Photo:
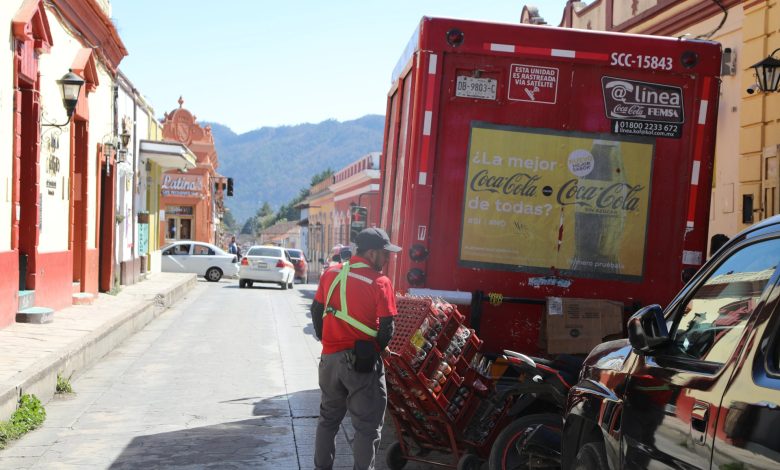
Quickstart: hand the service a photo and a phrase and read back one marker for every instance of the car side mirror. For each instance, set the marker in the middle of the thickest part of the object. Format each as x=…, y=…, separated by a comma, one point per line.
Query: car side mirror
x=647, y=329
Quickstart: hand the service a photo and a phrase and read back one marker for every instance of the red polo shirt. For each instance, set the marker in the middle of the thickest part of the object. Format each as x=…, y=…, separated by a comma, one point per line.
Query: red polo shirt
x=370, y=296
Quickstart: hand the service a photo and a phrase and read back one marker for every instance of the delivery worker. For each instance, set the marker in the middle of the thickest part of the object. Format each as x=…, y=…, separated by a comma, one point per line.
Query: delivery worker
x=352, y=313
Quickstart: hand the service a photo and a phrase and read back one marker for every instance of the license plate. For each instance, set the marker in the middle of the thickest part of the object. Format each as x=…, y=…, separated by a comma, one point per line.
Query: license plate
x=261, y=265
x=480, y=88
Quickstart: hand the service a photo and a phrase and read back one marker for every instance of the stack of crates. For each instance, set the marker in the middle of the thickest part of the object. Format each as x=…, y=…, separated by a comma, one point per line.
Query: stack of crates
x=439, y=390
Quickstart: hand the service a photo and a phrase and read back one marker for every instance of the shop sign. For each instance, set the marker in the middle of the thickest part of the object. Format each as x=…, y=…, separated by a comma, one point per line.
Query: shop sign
x=182, y=185
x=177, y=210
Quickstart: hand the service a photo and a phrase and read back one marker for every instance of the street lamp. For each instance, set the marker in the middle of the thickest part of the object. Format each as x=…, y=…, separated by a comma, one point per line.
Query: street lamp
x=70, y=88
x=768, y=73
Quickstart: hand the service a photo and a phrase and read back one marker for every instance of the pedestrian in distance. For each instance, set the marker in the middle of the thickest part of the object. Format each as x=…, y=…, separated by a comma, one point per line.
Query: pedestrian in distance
x=352, y=314
x=233, y=248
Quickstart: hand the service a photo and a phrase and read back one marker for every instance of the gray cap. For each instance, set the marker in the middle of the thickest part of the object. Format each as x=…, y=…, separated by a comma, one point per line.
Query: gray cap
x=375, y=239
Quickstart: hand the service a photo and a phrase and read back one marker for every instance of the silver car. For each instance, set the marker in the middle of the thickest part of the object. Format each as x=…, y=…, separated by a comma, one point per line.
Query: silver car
x=203, y=259
x=266, y=264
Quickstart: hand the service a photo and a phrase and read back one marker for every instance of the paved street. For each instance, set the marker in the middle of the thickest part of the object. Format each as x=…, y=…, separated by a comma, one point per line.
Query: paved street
x=227, y=378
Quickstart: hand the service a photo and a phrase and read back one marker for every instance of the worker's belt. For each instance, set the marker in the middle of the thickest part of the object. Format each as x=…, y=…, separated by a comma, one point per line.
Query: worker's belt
x=343, y=315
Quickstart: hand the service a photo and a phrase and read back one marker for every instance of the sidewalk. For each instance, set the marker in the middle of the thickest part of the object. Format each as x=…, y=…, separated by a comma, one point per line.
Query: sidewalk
x=32, y=355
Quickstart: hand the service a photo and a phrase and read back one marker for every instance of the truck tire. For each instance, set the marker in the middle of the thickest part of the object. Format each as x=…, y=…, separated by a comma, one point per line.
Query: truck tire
x=504, y=453
x=591, y=456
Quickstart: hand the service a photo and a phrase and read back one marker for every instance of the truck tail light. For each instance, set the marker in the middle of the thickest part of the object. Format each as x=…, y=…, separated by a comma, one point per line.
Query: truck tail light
x=454, y=37
x=415, y=277
x=418, y=252
x=280, y=263
x=244, y=262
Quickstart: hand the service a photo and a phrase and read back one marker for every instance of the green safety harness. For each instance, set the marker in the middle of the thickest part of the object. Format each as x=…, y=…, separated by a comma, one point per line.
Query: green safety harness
x=343, y=314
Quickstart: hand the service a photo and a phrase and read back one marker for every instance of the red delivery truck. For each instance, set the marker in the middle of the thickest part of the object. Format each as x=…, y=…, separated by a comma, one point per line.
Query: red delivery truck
x=548, y=178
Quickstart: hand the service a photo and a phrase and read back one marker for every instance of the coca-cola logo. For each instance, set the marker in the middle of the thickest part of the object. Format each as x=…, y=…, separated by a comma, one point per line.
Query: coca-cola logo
x=595, y=195
x=518, y=184
x=642, y=101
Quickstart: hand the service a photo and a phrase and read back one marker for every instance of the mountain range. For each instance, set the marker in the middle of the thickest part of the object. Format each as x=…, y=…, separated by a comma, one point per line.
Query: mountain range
x=273, y=164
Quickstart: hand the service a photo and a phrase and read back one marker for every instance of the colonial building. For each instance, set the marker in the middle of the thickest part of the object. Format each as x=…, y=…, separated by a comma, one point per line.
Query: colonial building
x=192, y=199
x=356, y=186
x=53, y=159
x=286, y=234
x=321, y=237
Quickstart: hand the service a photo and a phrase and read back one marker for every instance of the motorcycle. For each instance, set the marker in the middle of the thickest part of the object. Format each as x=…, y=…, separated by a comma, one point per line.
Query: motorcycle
x=532, y=440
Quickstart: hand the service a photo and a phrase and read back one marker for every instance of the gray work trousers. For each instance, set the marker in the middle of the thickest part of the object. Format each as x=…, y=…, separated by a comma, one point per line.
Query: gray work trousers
x=364, y=395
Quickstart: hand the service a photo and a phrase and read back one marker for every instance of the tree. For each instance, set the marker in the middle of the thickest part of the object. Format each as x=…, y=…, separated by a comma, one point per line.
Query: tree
x=321, y=176
x=230, y=222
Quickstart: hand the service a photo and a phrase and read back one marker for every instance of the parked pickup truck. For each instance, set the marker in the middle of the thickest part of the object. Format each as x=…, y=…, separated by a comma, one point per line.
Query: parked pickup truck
x=696, y=385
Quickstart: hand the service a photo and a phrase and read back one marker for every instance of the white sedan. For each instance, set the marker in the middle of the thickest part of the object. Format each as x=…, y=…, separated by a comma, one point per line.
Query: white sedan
x=266, y=264
x=203, y=259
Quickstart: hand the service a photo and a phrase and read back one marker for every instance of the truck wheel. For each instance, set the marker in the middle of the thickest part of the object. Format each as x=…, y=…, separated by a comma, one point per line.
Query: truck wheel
x=591, y=457
x=394, y=457
x=241, y=283
x=505, y=452
x=249, y=283
x=470, y=462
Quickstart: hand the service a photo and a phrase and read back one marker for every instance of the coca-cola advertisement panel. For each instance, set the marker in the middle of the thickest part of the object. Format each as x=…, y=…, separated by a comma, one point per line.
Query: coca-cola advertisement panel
x=537, y=199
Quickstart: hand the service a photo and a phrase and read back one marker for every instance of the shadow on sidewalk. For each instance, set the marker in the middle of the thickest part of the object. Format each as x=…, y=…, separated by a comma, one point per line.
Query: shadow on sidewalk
x=278, y=435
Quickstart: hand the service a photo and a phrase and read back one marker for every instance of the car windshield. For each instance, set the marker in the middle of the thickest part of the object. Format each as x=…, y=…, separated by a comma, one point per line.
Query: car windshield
x=295, y=253
x=263, y=251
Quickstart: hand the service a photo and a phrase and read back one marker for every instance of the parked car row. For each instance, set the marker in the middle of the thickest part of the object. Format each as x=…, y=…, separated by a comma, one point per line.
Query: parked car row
x=266, y=264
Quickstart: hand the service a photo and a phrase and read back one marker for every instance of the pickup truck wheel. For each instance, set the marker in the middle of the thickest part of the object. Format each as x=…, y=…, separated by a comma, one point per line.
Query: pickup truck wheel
x=470, y=462
x=591, y=456
x=506, y=452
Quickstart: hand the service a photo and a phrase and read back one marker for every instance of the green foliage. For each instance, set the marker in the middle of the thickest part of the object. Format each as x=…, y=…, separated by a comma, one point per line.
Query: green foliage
x=230, y=222
x=27, y=417
x=63, y=385
x=272, y=164
x=321, y=176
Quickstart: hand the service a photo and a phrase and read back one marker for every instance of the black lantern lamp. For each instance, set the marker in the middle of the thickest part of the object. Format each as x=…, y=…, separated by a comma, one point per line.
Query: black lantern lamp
x=70, y=87
x=124, y=140
x=768, y=73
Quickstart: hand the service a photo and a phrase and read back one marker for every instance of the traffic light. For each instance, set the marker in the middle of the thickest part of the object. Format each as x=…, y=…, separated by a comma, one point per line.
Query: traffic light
x=230, y=187
x=357, y=221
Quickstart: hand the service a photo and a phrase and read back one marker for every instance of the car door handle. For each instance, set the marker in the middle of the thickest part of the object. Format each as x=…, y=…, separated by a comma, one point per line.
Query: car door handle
x=700, y=414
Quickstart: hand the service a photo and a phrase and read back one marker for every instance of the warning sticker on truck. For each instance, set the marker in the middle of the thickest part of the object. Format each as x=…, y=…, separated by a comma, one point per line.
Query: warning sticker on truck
x=533, y=83
x=536, y=199
x=642, y=108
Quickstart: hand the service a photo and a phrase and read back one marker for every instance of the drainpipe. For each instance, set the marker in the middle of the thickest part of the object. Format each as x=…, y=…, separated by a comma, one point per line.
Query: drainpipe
x=134, y=251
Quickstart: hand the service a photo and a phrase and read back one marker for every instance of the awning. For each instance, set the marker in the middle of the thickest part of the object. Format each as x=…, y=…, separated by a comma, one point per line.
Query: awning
x=169, y=155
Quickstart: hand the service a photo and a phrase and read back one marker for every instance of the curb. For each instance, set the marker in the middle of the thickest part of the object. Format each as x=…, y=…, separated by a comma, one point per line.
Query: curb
x=40, y=378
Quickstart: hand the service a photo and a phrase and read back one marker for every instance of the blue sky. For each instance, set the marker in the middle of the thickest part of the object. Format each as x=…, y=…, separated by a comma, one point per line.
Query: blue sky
x=253, y=63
